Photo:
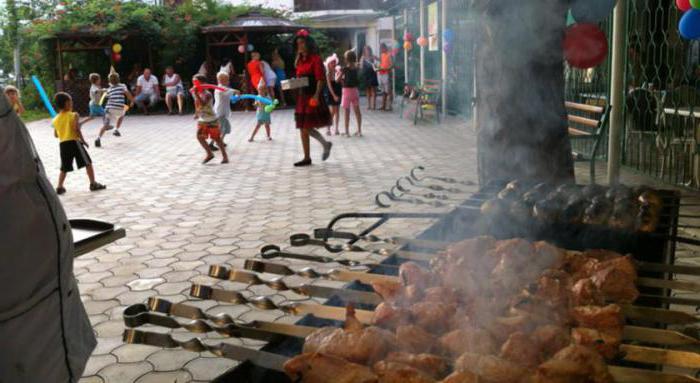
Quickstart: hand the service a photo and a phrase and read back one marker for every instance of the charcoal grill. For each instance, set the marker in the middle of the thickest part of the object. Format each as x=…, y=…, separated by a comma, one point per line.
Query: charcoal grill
x=465, y=221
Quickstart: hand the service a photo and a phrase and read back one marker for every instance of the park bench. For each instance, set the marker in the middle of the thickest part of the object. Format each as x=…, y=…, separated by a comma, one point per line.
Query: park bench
x=587, y=127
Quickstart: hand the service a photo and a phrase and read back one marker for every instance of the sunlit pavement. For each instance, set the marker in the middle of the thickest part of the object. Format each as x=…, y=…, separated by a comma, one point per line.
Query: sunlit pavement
x=182, y=216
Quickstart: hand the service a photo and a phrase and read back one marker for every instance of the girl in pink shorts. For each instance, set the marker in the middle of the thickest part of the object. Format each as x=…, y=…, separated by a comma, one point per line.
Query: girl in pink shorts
x=350, y=78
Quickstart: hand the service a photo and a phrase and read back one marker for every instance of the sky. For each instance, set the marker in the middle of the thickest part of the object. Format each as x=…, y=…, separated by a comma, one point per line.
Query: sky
x=288, y=4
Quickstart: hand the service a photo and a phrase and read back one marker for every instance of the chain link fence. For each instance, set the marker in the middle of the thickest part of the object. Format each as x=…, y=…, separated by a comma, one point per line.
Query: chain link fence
x=662, y=99
x=459, y=81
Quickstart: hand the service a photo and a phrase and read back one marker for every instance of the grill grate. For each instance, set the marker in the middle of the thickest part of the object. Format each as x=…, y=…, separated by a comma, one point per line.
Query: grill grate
x=465, y=222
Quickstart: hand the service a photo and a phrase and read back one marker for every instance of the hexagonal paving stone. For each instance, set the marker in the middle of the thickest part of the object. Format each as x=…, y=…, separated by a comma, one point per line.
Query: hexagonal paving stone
x=179, y=276
x=171, y=288
x=133, y=297
x=91, y=379
x=105, y=345
x=97, y=362
x=168, y=360
x=153, y=272
x=130, y=353
x=106, y=293
x=144, y=283
x=110, y=328
x=99, y=307
x=209, y=368
x=163, y=377
x=126, y=372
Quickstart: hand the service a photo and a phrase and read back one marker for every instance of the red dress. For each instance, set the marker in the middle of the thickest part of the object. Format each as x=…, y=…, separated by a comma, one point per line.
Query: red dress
x=305, y=115
x=255, y=73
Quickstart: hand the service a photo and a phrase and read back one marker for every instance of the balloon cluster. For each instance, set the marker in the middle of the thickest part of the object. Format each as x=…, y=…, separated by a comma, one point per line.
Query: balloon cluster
x=407, y=38
x=448, y=37
x=689, y=26
x=117, y=52
x=243, y=48
x=585, y=44
x=270, y=105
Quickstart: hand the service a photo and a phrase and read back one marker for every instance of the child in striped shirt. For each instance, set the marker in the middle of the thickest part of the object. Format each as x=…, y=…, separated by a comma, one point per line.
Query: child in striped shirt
x=117, y=94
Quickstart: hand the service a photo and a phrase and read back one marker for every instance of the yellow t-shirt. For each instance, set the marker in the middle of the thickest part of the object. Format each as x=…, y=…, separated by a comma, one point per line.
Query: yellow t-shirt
x=64, y=124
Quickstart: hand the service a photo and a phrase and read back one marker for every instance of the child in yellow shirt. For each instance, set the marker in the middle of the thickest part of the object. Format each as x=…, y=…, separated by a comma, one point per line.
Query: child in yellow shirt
x=72, y=145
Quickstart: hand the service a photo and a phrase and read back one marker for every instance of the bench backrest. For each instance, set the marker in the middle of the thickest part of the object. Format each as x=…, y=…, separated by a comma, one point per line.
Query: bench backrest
x=586, y=120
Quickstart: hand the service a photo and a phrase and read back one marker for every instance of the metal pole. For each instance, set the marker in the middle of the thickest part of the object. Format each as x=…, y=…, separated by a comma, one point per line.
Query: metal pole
x=393, y=39
x=405, y=52
x=617, y=91
x=443, y=24
x=421, y=14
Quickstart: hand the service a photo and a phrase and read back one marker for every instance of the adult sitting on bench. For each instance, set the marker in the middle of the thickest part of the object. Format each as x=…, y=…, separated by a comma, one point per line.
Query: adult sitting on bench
x=147, y=92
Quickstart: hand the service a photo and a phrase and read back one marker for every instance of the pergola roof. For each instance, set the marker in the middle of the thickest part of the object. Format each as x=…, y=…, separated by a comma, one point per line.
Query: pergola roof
x=255, y=23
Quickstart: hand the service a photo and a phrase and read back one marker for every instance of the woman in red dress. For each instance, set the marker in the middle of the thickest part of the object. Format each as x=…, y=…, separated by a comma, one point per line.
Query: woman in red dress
x=311, y=110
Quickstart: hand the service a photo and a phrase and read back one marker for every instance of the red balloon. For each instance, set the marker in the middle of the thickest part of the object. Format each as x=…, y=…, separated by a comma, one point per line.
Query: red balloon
x=116, y=57
x=683, y=5
x=585, y=46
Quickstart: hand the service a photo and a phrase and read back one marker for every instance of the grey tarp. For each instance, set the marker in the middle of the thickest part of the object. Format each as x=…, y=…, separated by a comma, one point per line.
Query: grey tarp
x=45, y=335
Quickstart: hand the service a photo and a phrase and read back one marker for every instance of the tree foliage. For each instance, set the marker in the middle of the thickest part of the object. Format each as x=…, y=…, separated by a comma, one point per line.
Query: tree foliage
x=172, y=32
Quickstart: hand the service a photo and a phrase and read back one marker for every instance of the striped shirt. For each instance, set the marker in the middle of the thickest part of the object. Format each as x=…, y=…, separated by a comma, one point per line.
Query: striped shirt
x=116, y=98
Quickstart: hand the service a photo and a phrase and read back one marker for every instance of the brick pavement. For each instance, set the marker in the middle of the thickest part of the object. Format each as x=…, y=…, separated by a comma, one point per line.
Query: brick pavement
x=182, y=216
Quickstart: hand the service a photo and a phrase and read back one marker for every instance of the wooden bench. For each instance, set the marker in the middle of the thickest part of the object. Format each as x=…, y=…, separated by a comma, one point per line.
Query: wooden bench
x=582, y=127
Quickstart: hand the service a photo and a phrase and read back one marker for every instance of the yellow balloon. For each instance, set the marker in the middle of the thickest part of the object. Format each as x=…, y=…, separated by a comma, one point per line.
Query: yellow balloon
x=116, y=48
x=407, y=45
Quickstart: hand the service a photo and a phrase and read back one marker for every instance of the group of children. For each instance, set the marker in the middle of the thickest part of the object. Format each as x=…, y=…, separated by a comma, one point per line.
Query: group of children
x=343, y=90
x=212, y=113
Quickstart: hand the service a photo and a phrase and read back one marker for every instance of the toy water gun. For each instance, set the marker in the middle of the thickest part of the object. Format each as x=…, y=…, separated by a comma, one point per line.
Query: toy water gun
x=44, y=97
x=270, y=105
x=199, y=86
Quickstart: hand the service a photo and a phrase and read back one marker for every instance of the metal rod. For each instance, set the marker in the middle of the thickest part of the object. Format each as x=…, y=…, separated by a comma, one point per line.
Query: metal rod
x=260, y=358
x=139, y=315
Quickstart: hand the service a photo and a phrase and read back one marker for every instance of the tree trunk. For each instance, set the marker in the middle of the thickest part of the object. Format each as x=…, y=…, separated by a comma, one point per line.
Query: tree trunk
x=521, y=117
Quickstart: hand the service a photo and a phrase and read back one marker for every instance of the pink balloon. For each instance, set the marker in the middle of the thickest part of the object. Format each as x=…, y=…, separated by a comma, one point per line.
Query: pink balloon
x=241, y=48
x=683, y=5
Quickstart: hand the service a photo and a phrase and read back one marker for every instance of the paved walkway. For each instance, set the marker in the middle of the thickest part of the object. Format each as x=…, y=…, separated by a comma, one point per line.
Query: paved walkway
x=182, y=216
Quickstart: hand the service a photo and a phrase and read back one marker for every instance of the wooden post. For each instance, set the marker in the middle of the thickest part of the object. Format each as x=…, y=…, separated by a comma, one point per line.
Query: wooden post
x=522, y=125
x=421, y=15
x=443, y=57
x=617, y=91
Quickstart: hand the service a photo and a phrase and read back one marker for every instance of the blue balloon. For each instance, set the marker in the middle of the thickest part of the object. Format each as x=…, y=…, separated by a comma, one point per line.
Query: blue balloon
x=44, y=97
x=236, y=98
x=689, y=25
x=591, y=11
x=448, y=35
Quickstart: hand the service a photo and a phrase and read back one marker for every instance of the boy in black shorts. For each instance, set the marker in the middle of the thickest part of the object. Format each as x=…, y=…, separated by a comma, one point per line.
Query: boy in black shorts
x=72, y=145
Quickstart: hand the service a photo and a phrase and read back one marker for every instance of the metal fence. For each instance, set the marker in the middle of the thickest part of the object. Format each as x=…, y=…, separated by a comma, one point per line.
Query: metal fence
x=662, y=102
x=459, y=81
